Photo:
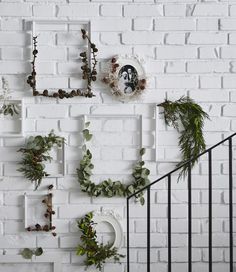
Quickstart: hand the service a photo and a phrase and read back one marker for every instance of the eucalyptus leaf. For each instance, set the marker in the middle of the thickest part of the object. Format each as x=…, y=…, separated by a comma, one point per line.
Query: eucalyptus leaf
x=38, y=251
x=27, y=253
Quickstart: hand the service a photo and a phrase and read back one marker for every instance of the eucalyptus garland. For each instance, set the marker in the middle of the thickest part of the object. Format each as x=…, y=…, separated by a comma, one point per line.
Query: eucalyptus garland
x=96, y=253
x=191, y=115
x=35, y=153
x=109, y=188
x=89, y=73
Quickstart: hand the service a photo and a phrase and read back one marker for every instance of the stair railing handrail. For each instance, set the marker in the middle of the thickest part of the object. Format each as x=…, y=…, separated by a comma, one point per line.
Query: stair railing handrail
x=179, y=167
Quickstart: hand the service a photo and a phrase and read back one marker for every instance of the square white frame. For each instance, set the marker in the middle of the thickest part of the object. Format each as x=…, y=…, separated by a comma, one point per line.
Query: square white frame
x=26, y=196
x=21, y=118
x=54, y=259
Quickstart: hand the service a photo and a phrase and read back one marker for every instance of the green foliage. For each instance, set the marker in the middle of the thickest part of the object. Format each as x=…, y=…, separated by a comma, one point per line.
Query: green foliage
x=96, y=254
x=191, y=141
x=35, y=153
x=28, y=253
x=109, y=188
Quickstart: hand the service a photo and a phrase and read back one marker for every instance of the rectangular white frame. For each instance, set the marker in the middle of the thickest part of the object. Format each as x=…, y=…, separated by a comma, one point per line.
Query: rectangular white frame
x=26, y=196
x=21, y=118
x=86, y=119
x=72, y=22
x=54, y=259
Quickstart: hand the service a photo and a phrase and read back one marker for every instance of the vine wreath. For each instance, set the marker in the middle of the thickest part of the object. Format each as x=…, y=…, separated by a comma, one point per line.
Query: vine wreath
x=126, y=77
x=35, y=153
x=96, y=253
x=89, y=73
x=191, y=116
x=109, y=188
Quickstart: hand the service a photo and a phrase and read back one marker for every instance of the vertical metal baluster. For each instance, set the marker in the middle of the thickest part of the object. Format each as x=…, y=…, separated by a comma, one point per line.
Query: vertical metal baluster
x=127, y=205
x=210, y=209
x=148, y=228
x=230, y=205
x=169, y=223
x=189, y=219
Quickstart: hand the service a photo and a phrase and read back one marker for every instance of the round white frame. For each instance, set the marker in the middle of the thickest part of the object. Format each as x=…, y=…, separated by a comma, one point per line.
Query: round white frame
x=109, y=217
x=113, y=77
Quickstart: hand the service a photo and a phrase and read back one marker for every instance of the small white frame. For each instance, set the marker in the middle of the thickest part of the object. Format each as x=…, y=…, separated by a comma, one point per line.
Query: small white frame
x=108, y=216
x=54, y=259
x=35, y=195
x=21, y=119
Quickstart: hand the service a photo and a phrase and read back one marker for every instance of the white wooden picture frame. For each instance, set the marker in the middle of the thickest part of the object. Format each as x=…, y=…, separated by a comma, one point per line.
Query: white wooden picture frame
x=12, y=121
x=54, y=259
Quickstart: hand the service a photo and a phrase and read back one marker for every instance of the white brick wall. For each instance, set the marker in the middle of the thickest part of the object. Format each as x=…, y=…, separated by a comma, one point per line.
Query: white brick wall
x=189, y=48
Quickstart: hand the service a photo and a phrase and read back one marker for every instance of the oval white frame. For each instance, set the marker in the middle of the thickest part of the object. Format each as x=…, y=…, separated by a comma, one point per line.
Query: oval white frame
x=112, y=219
x=134, y=61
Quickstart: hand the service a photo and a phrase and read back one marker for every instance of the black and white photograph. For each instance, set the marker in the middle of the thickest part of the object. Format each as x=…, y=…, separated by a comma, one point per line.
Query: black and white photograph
x=128, y=79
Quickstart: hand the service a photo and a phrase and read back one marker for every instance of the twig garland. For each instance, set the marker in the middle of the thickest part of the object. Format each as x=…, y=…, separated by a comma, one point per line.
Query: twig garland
x=96, y=253
x=35, y=153
x=109, y=188
x=88, y=74
x=48, y=215
x=191, y=116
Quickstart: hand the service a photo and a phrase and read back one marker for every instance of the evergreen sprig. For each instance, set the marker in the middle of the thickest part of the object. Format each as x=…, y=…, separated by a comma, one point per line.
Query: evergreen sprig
x=96, y=254
x=186, y=112
x=35, y=153
x=109, y=188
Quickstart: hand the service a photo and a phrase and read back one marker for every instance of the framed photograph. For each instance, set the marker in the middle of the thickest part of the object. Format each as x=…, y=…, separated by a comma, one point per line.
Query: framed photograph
x=126, y=77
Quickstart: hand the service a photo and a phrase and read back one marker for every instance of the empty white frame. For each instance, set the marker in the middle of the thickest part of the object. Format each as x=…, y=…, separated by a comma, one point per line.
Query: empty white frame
x=54, y=259
x=13, y=126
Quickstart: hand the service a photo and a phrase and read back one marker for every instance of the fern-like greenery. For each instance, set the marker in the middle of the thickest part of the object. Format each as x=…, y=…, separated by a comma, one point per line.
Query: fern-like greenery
x=96, y=254
x=186, y=112
x=35, y=153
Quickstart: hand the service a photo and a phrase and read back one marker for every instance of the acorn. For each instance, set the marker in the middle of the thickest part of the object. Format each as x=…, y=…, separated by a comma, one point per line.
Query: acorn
x=83, y=55
x=55, y=95
x=53, y=228
x=46, y=228
x=35, y=93
x=45, y=92
x=29, y=229
x=113, y=60
x=54, y=234
x=46, y=215
x=50, y=187
x=35, y=52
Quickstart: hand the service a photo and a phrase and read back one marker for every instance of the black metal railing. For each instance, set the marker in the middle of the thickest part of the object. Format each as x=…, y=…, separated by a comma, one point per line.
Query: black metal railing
x=169, y=216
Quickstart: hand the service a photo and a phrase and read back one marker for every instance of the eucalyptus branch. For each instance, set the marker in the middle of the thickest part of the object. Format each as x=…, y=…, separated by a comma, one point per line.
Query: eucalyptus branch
x=191, y=116
x=109, y=188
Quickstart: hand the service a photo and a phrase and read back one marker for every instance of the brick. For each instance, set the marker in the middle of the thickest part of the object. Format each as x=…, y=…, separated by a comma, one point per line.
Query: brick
x=143, y=23
x=67, y=38
x=232, y=10
x=208, y=24
x=210, y=95
x=175, y=38
x=210, y=82
x=13, y=67
x=229, y=82
x=16, y=39
x=228, y=52
x=48, y=111
x=78, y=10
x=208, y=52
x=229, y=110
x=142, y=37
x=52, y=82
x=15, y=9
x=177, y=82
x=175, y=10
x=109, y=38
x=43, y=10
x=12, y=53
x=208, y=67
x=11, y=24
x=175, y=67
x=207, y=38
x=17, y=241
x=111, y=10
x=210, y=9
x=227, y=24
x=51, y=53
x=138, y=10
x=175, y=24
x=176, y=52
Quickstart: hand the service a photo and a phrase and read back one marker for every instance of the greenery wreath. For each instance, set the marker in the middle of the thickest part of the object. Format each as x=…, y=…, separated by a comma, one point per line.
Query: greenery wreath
x=109, y=188
x=96, y=253
x=35, y=153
